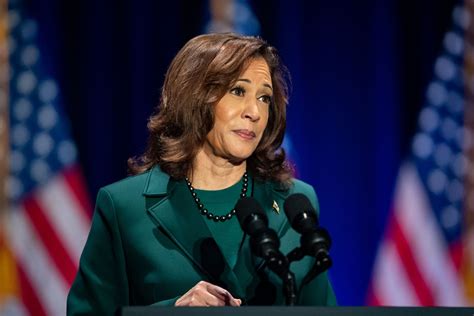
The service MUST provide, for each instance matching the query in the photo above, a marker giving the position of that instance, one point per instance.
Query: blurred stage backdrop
(378, 123)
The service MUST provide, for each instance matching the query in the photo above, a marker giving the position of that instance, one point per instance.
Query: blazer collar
(156, 183)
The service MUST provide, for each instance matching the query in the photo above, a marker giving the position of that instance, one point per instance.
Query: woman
(168, 234)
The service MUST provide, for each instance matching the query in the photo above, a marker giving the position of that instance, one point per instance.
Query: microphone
(264, 241)
(315, 241)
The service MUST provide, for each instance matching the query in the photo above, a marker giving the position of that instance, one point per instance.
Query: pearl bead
(209, 215)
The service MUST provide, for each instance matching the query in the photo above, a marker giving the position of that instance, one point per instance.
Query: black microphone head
(251, 215)
(300, 212)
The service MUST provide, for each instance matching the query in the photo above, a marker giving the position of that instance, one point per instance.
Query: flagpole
(4, 87)
(9, 284)
(468, 242)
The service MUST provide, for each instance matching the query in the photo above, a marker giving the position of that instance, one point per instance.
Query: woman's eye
(266, 99)
(238, 91)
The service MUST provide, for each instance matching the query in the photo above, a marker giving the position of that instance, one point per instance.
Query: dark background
(359, 69)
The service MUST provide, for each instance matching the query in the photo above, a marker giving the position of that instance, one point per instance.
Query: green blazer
(142, 250)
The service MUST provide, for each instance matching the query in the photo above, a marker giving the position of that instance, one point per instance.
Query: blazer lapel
(187, 229)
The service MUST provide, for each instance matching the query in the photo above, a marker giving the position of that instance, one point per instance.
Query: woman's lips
(245, 134)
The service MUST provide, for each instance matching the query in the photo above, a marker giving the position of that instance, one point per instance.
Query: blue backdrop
(359, 71)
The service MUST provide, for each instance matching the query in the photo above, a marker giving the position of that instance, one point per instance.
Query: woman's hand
(207, 294)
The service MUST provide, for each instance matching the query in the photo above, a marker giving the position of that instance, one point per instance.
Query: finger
(204, 294)
(224, 294)
(182, 301)
(228, 298)
(210, 299)
(218, 291)
(233, 301)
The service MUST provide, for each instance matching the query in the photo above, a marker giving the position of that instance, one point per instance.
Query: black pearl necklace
(205, 212)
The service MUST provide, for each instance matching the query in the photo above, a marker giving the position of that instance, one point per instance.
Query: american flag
(48, 213)
(426, 257)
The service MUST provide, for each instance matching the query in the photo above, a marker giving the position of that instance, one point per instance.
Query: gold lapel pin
(275, 207)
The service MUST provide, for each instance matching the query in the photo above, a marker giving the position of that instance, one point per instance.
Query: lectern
(297, 311)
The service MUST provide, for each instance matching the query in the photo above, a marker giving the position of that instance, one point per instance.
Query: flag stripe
(402, 246)
(456, 254)
(75, 181)
(45, 279)
(391, 285)
(50, 238)
(28, 296)
(63, 212)
(430, 251)
(373, 298)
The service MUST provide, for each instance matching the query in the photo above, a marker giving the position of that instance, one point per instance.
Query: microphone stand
(323, 262)
(320, 265)
(265, 244)
(279, 264)
(295, 255)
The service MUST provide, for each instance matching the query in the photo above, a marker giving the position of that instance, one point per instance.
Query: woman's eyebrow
(249, 81)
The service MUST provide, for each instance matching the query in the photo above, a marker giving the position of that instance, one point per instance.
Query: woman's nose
(251, 110)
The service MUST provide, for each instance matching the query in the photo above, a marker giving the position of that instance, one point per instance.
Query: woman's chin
(240, 157)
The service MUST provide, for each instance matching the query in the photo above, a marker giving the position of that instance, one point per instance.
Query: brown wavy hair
(197, 78)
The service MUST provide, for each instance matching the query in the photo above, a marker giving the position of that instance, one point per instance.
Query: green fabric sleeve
(325, 294)
(101, 285)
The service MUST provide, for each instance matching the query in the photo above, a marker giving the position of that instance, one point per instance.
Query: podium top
(298, 311)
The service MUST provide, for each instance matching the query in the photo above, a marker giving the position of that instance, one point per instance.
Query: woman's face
(242, 114)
